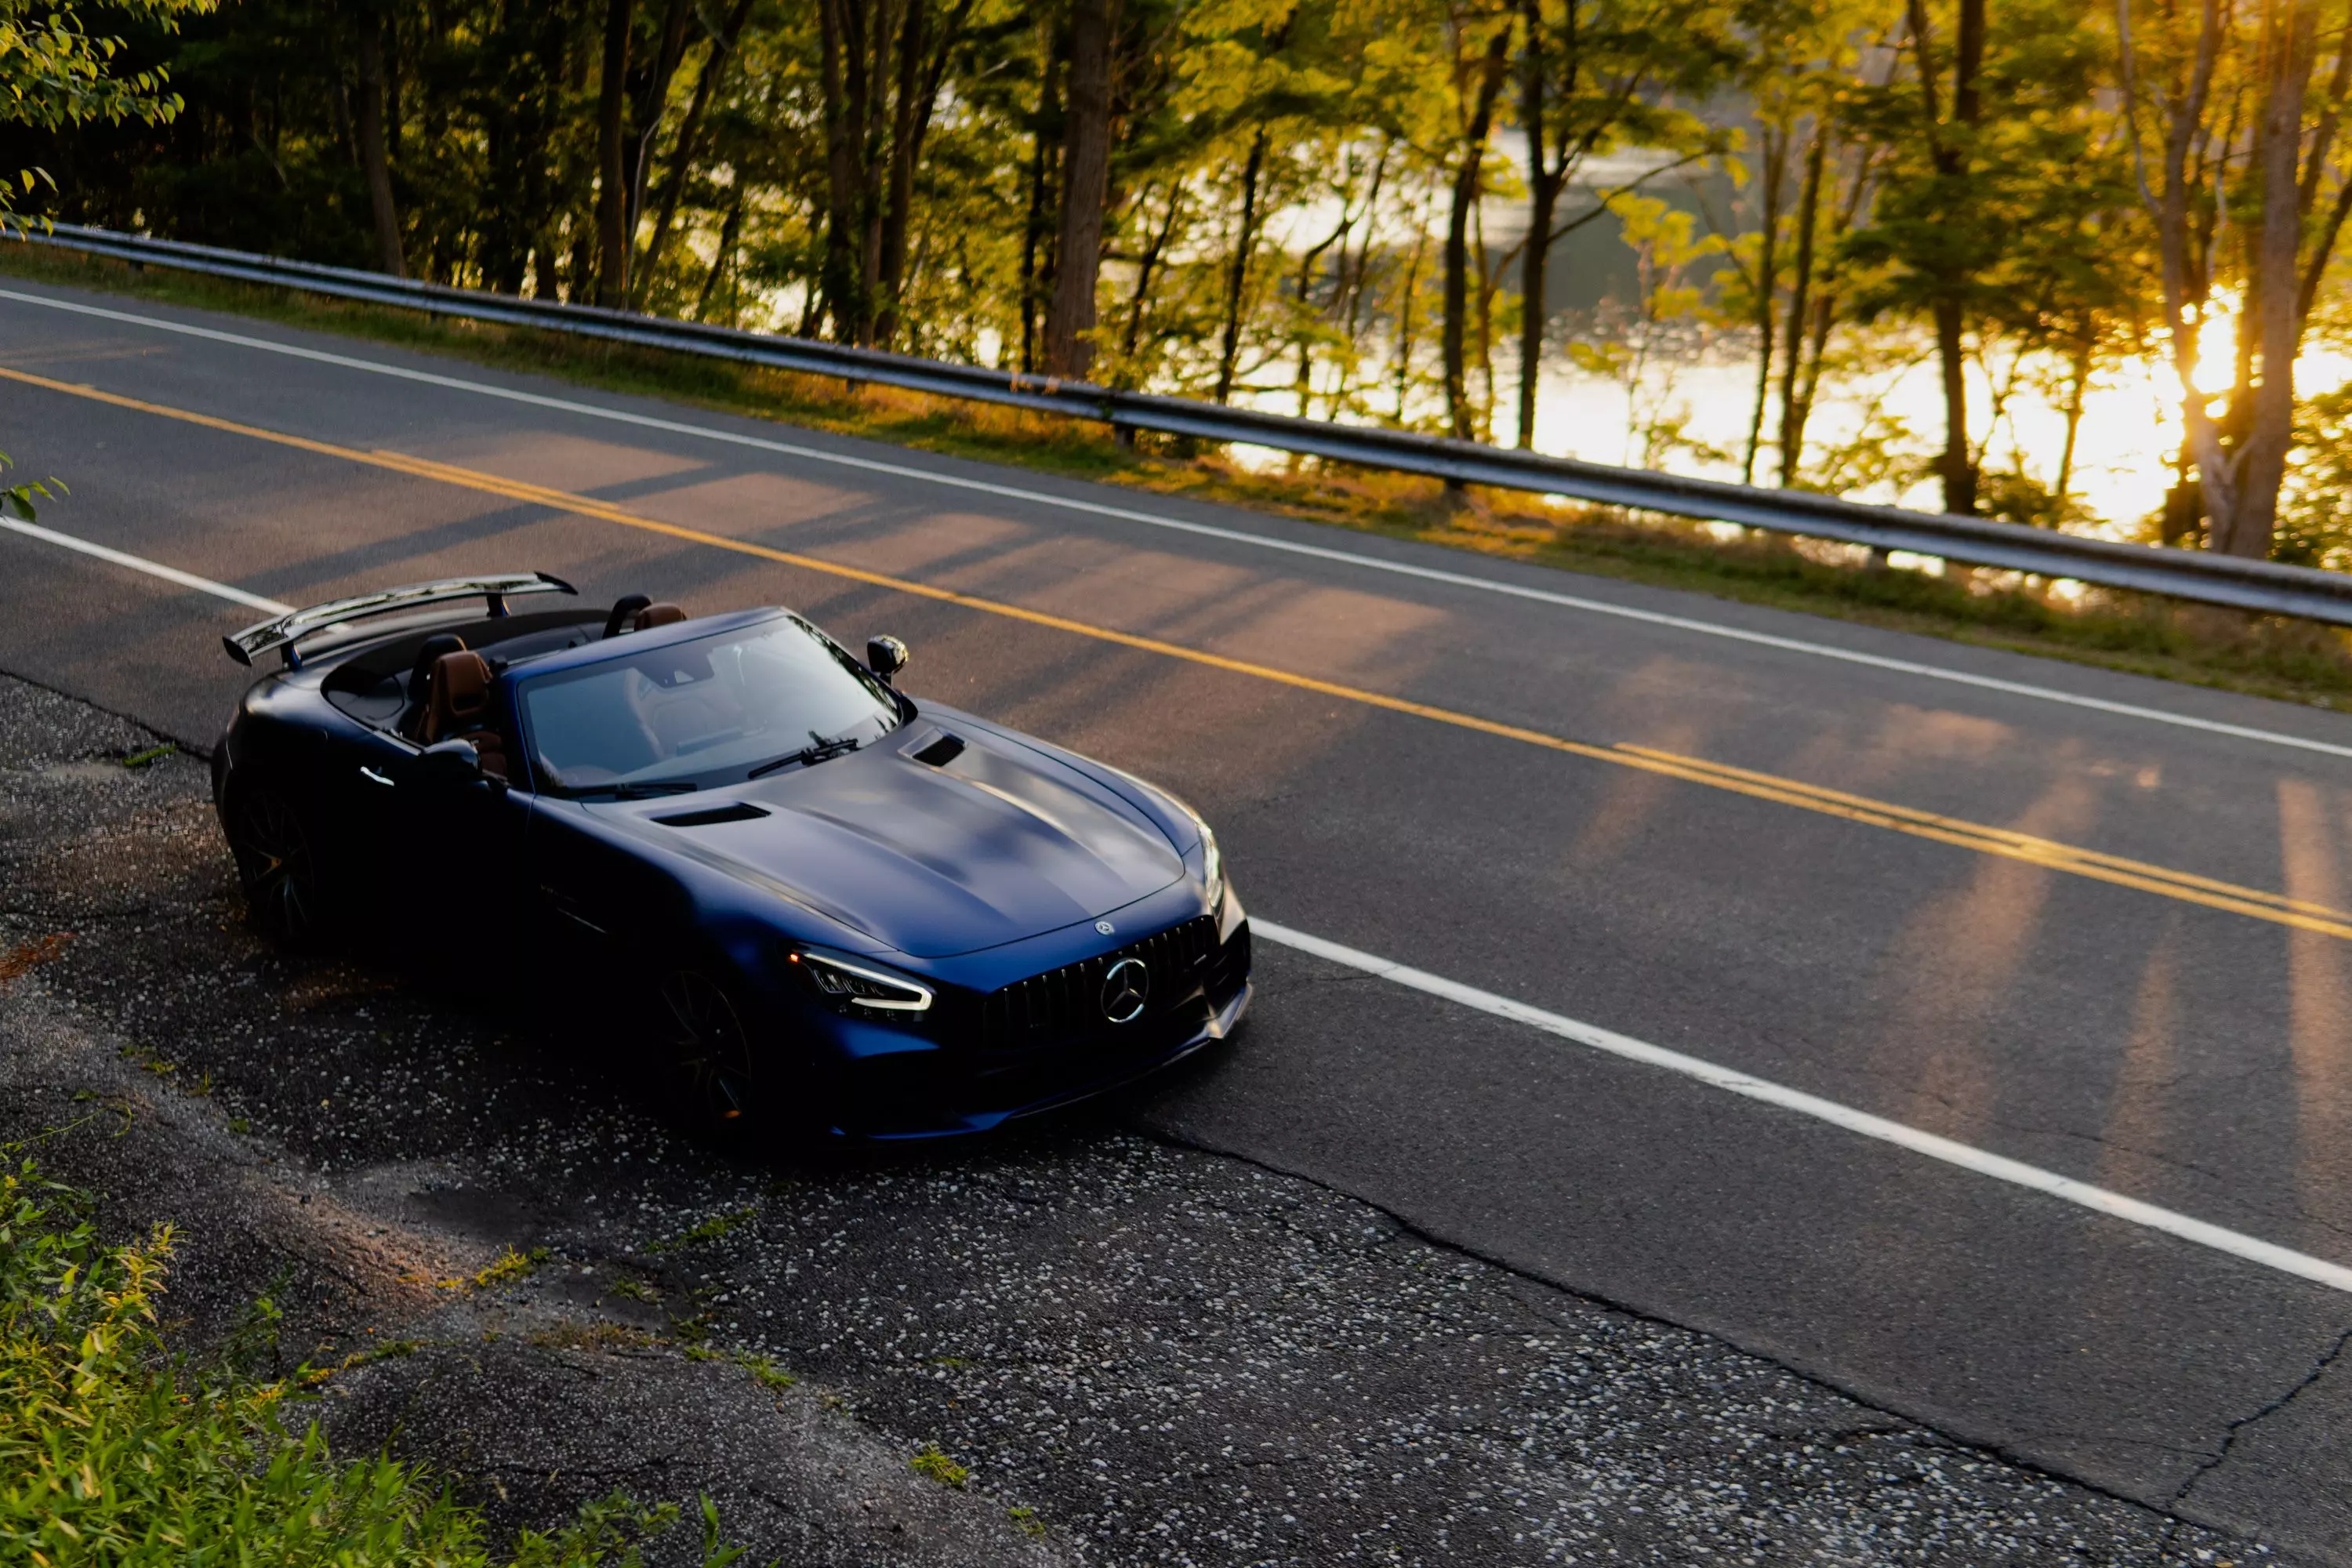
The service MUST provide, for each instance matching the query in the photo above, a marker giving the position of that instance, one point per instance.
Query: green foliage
(55, 73)
(115, 1454)
(933, 1464)
(18, 499)
(2315, 526)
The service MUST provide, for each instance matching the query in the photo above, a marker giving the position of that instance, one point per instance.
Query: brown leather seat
(654, 616)
(457, 708)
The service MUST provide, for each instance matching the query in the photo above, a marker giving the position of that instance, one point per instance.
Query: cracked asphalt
(1138, 1352)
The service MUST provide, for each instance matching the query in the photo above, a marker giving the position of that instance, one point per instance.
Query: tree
(2239, 146)
(611, 172)
(1482, 53)
(1596, 75)
(1086, 186)
(1967, 141)
(54, 74)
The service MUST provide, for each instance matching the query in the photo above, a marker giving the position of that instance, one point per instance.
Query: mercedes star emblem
(1125, 990)
(1105, 927)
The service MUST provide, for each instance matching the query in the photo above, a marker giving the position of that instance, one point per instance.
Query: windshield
(703, 712)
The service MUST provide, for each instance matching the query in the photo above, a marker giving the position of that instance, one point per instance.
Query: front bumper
(961, 1088)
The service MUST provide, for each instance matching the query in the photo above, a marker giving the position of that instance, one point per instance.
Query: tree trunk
(730, 230)
(374, 158)
(1034, 264)
(2078, 385)
(652, 104)
(1237, 275)
(1767, 284)
(1148, 268)
(690, 142)
(1950, 155)
(611, 192)
(1793, 412)
(846, 85)
(1543, 200)
(1458, 413)
(1086, 183)
(2273, 323)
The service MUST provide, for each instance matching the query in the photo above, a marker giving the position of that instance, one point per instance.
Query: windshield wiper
(633, 791)
(819, 751)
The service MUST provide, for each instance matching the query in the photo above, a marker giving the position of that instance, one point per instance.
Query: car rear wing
(285, 631)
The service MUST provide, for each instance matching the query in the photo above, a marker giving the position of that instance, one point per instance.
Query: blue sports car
(820, 907)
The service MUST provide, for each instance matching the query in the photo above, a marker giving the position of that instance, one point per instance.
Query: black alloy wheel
(277, 866)
(710, 1054)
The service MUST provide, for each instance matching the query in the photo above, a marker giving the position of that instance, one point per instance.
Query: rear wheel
(277, 866)
(710, 1056)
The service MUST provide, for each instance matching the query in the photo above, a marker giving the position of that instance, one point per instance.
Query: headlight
(1213, 861)
(859, 988)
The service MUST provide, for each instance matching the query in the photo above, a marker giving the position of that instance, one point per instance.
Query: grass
(765, 1373)
(2143, 635)
(711, 1229)
(929, 1463)
(604, 1337)
(511, 1267)
(115, 1453)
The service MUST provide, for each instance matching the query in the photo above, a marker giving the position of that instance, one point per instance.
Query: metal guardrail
(2262, 587)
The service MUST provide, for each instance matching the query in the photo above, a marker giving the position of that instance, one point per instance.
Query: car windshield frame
(674, 772)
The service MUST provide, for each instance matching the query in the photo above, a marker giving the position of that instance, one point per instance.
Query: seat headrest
(460, 695)
(654, 616)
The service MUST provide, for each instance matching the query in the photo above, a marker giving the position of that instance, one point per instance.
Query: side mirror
(886, 657)
(450, 765)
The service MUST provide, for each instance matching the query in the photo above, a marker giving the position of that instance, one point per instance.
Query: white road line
(1210, 530)
(141, 564)
(1999, 1167)
(2301, 1265)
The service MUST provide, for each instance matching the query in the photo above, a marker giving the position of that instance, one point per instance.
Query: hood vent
(738, 811)
(941, 752)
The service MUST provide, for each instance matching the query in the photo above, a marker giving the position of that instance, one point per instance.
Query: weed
(700, 1353)
(390, 1350)
(240, 1125)
(592, 1337)
(511, 1267)
(711, 1229)
(115, 1450)
(765, 1373)
(633, 1290)
(151, 755)
(1026, 1518)
(929, 1462)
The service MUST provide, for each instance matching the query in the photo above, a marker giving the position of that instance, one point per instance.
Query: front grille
(1067, 1003)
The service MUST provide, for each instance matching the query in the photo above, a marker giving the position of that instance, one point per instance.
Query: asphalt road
(2190, 1055)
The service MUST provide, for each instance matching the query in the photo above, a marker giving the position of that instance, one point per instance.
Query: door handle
(374, 777)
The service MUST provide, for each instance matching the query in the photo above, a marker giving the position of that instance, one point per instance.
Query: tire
(707, 1058)
(277, 866)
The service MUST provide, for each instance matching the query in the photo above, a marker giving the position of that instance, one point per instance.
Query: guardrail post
(1124, 435)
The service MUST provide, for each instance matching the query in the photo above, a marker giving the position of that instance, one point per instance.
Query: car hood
(997, 844)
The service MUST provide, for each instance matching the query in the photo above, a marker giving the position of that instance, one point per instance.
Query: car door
(453, 852)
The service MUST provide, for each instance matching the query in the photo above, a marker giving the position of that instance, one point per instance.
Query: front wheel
(710, 1056)
(277, 866)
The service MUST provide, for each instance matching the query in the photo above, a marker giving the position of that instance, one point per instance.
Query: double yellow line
(2000, 842)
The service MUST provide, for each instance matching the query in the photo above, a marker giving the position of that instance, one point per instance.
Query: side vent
(941, 752)
(739, 811)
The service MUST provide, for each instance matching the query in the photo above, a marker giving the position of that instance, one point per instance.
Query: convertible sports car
(841, 913)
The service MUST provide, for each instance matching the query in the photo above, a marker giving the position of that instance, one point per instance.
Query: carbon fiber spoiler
(282, 633)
